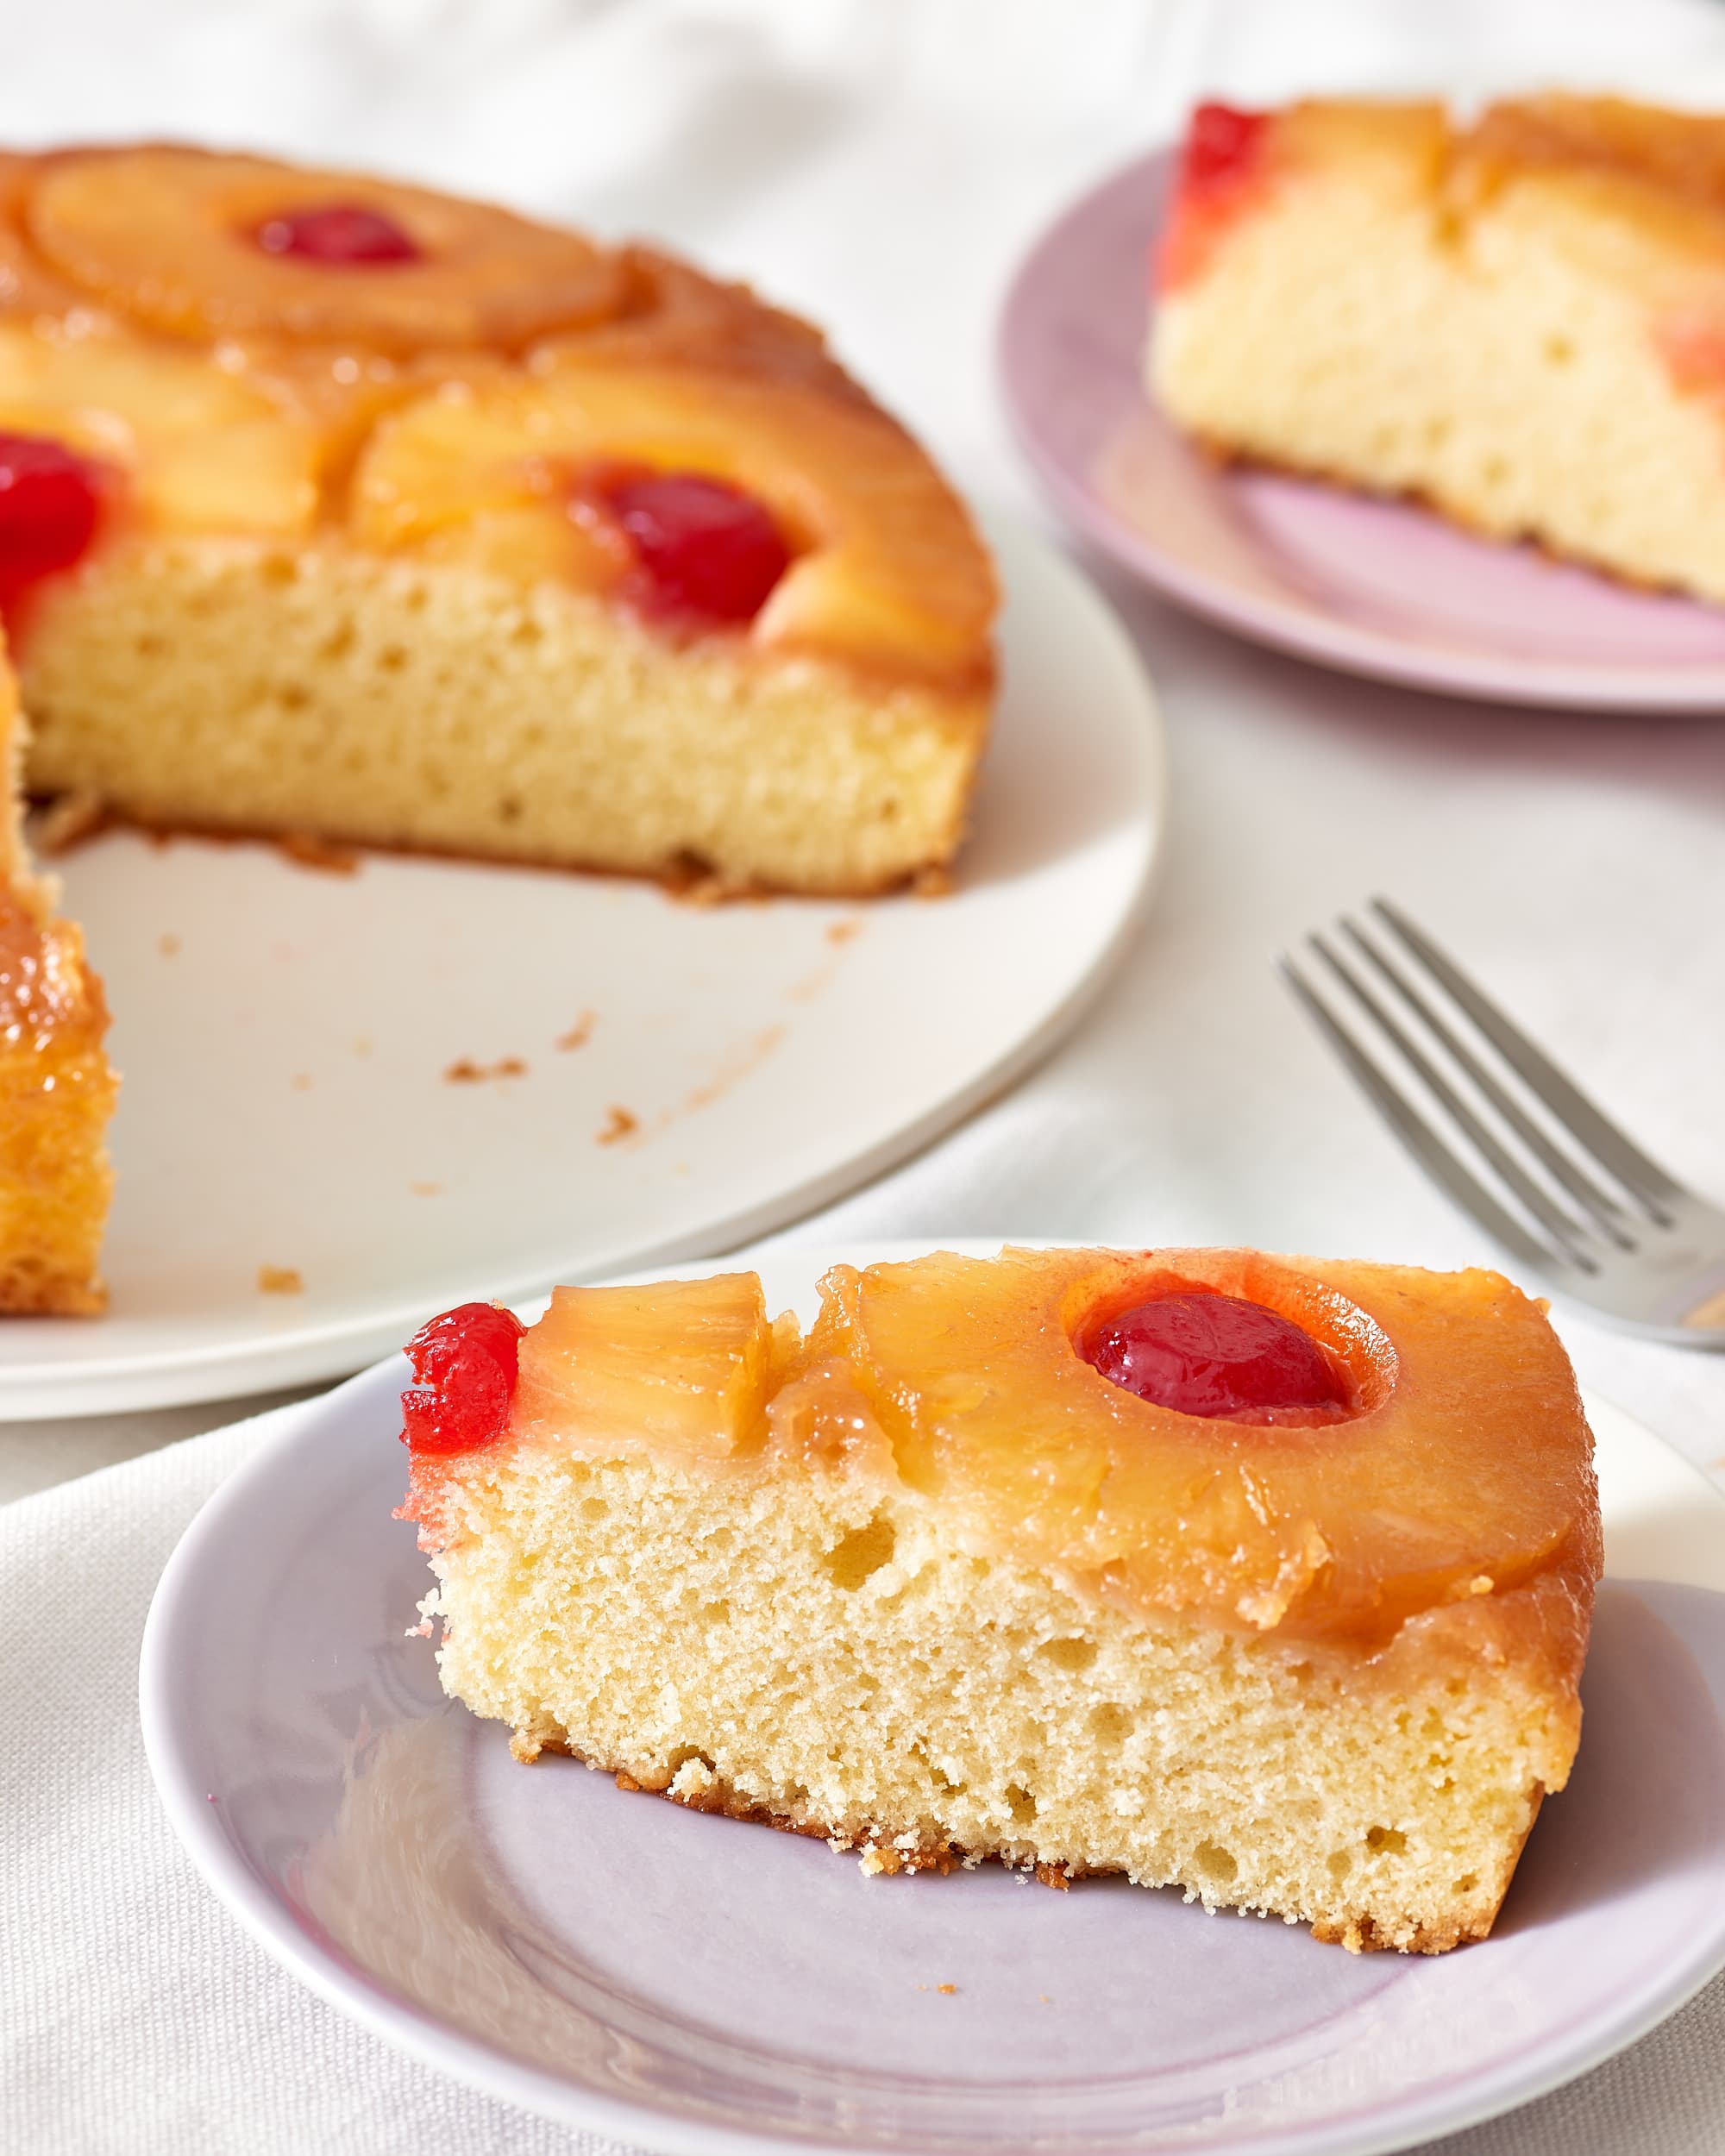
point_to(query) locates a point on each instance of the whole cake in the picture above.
(1264, 1577)
(1521, 320)
(338, 507)
(56, 1087)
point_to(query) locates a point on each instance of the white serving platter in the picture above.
(285, 1038)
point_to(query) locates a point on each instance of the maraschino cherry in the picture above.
(704, 551)
(50, 503)
(337, 233)
(465, 1366)
(1215, 1355)
(1222, 145)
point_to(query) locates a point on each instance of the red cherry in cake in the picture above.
(704, 551)
(465, 1366)
(1220, 168)
(1214, 1355)
(1222, 149)
(50, 503)
(336, 233)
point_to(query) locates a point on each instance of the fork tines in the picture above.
(1487, 1113)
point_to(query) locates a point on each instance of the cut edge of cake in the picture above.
(481, 719)
(1520, 323)
(57, 1086)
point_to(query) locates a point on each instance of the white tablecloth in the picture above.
(883, 163)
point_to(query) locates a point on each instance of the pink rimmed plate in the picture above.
(696, 1984)
(1383, 588)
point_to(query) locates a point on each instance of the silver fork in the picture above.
(1552, 1179)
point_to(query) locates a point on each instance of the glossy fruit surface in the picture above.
(1222, 144)
(172, 238)
(336, 233)
(1464, 1465)
(682, 1367)
(464, 1369)
(50, 505)
(704, 551)
(886, 567)
(188, 445)
(1215, 1354)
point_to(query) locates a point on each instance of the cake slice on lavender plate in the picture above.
(1520, 320)
(1266, 1578)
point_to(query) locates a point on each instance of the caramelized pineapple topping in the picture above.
(1441, 1455)
(686, 1364)
(1456, 1463)
(200, 246)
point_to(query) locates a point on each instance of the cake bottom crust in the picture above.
(888, 1853)
(1461, 516)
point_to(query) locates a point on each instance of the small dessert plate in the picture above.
(697, 1984)
(352, 1101)
(1377, 587)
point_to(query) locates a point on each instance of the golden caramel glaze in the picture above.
(1672, 159)
(674, 313)
(1662, 173)
(57, 1088)
(686, 1365)
(164, 235)
(1450, 1505)
(1464, 1472)
(886, 571)
(233, 392)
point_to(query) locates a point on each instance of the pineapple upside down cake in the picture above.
(338, 509)
(1267, 1578)
(330, 505)
(1521, 321)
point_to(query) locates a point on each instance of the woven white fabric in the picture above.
(883, 163)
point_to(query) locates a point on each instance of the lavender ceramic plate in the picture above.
(700, 1985)
(1375, 587)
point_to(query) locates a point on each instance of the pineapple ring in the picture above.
(887, 571)
(27, 287)
(200, 448)
(677, 314)
(1432, 1492)
(166, 236)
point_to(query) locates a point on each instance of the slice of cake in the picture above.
(334, 506)
(1521, 321)
(57, 1088)
(1266, 1578)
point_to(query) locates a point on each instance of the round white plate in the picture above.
(689, 1076)
(699, 1984)
(1377, 587)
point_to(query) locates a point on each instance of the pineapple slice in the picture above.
(177, 239)
(27, 285)
(1455, 1474)
(888, 572)
(202, 450)
(674, 312)
(682, 1367)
